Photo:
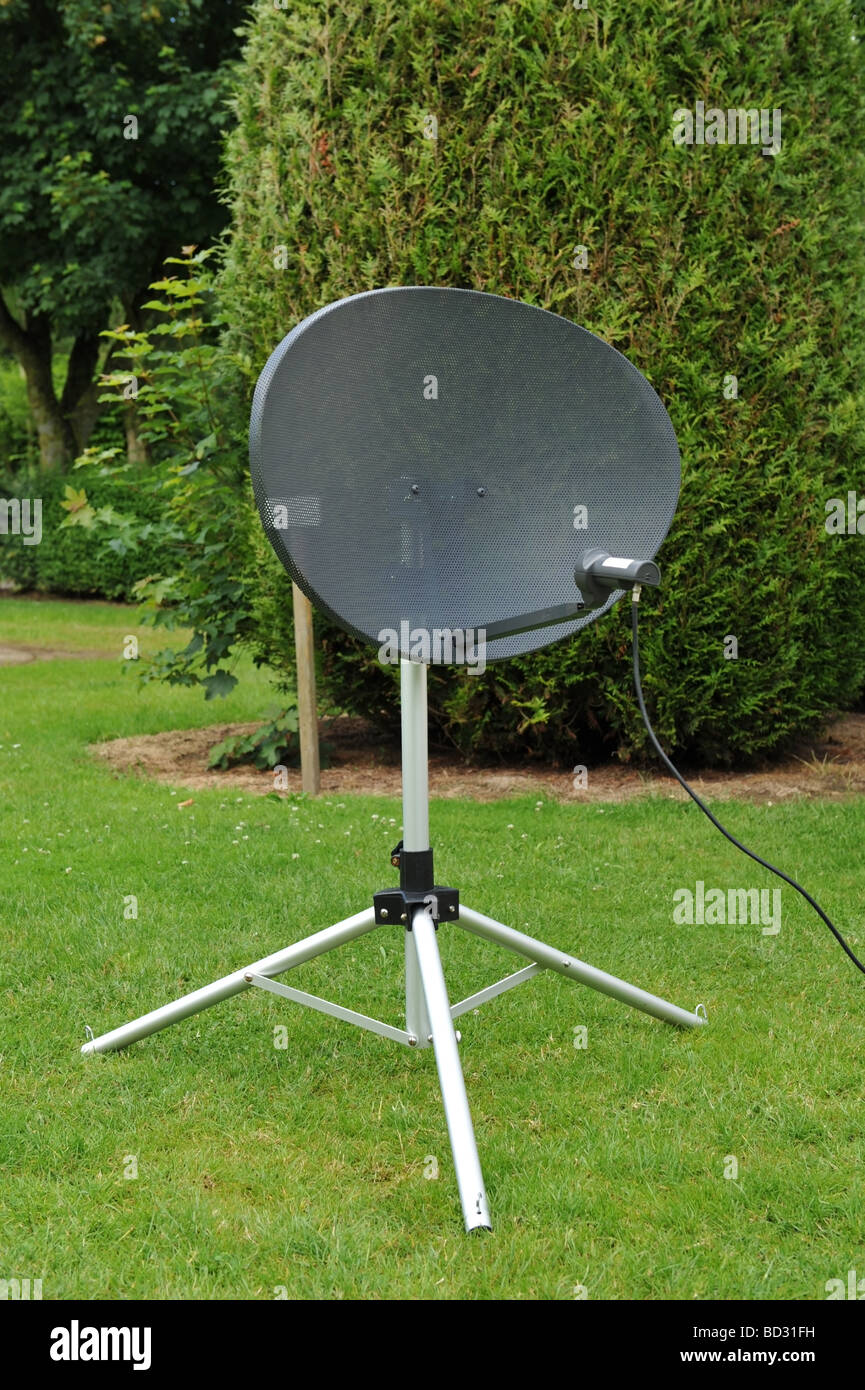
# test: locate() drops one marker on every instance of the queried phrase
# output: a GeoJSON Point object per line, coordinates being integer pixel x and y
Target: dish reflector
{"type": "Point", "coordinates": [436, 460]}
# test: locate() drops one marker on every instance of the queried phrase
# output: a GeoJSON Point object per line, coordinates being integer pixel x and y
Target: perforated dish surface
{"type": "Point", "coordinates": [432, 459]}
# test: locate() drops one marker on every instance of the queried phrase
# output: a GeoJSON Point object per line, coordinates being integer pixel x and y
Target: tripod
{"type": "Point", "coordinates": [419, 906]}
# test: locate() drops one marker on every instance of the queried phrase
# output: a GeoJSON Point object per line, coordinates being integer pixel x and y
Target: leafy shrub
{"type": "Point", "coordinates": [273, 743]}
{"type": "Point", "coordinates": [80, 560]}
{"type": "Point", "coordinates": [192, 417]}
{"type": "Point", "coordinates": [702, 263]}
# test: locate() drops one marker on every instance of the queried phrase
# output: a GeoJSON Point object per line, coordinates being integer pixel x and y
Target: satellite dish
{"type": "Point", "coordinates": [432, 459]}
{"type": "Point", "coordinates": [436, 459]}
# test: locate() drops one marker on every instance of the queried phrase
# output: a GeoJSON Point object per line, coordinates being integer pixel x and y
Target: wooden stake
{"type": "Point", "coordinates": [307, 712]}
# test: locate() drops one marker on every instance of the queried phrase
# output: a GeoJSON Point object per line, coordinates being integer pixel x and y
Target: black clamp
{"type": "Point", "coordinates": [416, 889]}
{"type": "Point", "coordinates": [399, 904]}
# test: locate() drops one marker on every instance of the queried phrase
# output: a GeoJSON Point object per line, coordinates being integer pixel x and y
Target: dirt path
{"type": "Point", "coordinates": [14, 655]}
{"type": "Point", "coordinates": [831, 766]}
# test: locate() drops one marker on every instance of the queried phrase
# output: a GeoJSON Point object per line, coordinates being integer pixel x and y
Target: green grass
{"type": "Point", "coordinates": [303, 1168]}
{"type": "Point", "coordinates": [70, 625]}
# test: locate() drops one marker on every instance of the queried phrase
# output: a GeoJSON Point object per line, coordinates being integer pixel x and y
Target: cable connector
{"type": "Point", "coordinates": [635, 593]}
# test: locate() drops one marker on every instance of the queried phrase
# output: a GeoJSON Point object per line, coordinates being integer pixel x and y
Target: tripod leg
{"type": "Point", "coordinates": [459, 1121]}
{"type": "Point", "coordinates": [416, 1016]}
{"type": "Point", "coordinates": [200, 999]}
{"type": "Point", "coordinates": [573, 969]}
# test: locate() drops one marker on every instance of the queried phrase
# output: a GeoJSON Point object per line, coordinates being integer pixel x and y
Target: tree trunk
{"type": "Point", "coordinates": [84, 415]}
{"type": "Point", "coordinates": [137, 451]}
{"type": "Point", "coordinates": [53, 430]}
{"type": "Point", "coordinates": [79, 403]}
{"type": "Point", "coordinates": [56, 445]}
{"type": "Point", "coordinates": [32, 347]}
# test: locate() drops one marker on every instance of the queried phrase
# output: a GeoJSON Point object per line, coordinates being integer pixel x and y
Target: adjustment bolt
{"type": "Point", "coordinates": [482, 492]}
{"type": "Point", "coordinates": [453, 909]}
{"type": "Point", "coordinates": [415, 489]}
{"type": "Point", "coordinates": [384, 912]}
{"type": "Point", "coordinates": [403, 918]}
{"type": "Point", "coordinates": [412, 1042]}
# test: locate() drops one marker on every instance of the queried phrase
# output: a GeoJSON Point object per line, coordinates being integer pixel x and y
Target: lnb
{"type": "Point", "coordinates": [600, 574]}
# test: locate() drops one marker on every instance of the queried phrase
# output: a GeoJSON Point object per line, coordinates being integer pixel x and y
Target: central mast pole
{"type": "Point", "coordinates": [415, 823]}
{"type": "Point", "coordinates": [415, 764]}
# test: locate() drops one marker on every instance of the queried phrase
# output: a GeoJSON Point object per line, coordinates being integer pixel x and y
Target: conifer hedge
{"type": "Point", "coordinates": [536, 149]}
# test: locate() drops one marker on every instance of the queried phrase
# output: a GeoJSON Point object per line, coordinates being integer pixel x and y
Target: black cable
{"type": "Point", "coordinates": [704, 808]}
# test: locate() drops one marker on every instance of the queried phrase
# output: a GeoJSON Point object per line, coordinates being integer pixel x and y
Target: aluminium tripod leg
{"type": "Point", "coordinates": [467, 1165]}
{"type": "Point", "coordinates": [551, 959]}
{"type": "Point", "coordinates": [416, 1016]}
{"type": "Point", "coordinates": [199, 999]}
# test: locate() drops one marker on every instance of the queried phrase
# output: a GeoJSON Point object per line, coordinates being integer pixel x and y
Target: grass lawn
{"type": "Point", "coordinates": [302, 1168]}
{"type": "Point", "coordinates": [69, 625]}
